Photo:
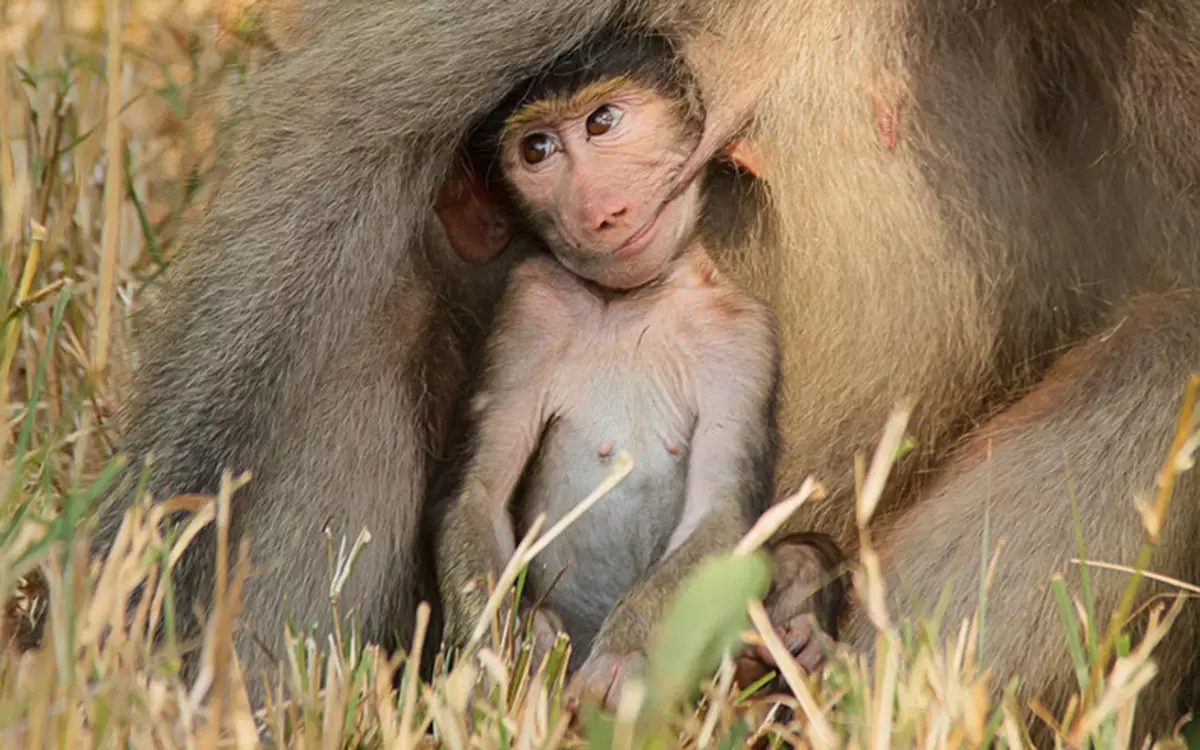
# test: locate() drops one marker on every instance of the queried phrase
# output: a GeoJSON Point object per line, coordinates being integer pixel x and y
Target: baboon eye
{"type": "Point", "coordinates": [603, 119]}
{"type": "Point", "coordinates": [535, 147]}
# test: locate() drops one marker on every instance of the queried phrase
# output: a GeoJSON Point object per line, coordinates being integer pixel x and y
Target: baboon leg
{"type": "Point", "coordinates": [1097, 429]}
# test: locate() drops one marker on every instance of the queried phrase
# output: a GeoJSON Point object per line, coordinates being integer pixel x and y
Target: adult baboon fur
{"type": "Point", "coordinates": [961, 196]}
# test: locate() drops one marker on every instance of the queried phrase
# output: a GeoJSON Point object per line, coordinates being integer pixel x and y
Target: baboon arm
{"type": "Point", "coordinates": [510, 412]}
{"type": "Point", "coordinates": [732, 79]}
{"type": "Point", "coordinates": [504, 447]}
{"type": "Point", "coordinates": [729, 451]}
{"type": "Point", "coordinates": [477, 534]}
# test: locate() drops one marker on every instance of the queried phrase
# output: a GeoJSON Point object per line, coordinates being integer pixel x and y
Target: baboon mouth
{"type": "Point", "coordinates": [638, 240]}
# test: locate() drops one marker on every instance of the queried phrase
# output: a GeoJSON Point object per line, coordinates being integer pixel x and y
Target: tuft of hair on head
{"type": "Point", "coordinates": [612, 60]}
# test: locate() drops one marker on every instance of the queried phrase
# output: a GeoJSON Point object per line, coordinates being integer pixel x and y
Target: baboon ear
{"type": "Point", "coordinates": [474, 216]}
{"type": "Point", "coordinates": [742, 154]}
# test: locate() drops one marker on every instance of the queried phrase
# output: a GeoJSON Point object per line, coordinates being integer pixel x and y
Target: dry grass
{"type": "Point", "coordinates": [85, 235]}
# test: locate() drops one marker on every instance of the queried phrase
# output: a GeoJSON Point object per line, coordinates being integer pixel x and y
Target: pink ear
{"type": "Point", "coordinates": [474, 220]}
{"type": "Point", "coordinates": [741, 154]}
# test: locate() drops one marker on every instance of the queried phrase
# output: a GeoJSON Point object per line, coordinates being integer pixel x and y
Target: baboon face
{"type": "Point", "coordinates": [591, 172]}
{"type": "Point", "coordinates": [602, 155]}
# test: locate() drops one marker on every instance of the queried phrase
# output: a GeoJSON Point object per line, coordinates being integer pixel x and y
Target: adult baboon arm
{"type": "Point", "coordinates": [1097, 429]}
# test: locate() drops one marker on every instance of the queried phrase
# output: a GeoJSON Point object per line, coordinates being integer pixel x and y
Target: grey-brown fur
{"type": "Point", "coordinates": [1045, 170]}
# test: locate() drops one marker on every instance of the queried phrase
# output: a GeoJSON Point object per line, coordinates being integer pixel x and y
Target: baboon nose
{"type": "Point", "coordinates": [604, 216]}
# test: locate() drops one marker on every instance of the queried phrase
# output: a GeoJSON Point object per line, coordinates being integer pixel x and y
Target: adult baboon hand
{"type": "Point", "coordinates": [804, 643]}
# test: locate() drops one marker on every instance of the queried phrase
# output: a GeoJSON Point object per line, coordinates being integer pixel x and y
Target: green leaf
{"type": "Point", "coordinates": [1071, 626]}
{"type": "Point", "coordinates": [702, 623]}
{"type": "Point", "coordinates": [599, 729]}
{"type": "Point", "coordinates": [1191, 734]}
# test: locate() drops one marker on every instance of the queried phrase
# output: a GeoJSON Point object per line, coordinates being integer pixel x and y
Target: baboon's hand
{"type": "Point", "coordinates": [800, 592]}
{"type": "Point", "coordinates": [544, 626]}
{"type": "Point", "coordinates": [462, 614]}
{"type": "Point", "coordinates": [603, 676]}
{"type": "Point", "coordinates": [804, 643]}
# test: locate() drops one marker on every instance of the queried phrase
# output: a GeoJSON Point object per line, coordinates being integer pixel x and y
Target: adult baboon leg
{"type": "Point", "coordinates": [1097, 429]}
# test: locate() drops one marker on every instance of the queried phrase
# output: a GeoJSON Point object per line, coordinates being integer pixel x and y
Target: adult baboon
{"type": "Point", "coordinates": [958, 196]}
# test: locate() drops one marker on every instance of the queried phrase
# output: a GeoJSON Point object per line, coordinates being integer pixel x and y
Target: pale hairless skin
{"type": "Point", "coordinates": [680, 374]}
{"type": "Point", "coordinates": [627, 338]}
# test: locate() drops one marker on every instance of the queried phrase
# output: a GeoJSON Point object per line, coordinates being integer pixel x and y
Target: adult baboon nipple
{"type": "Point", "coordinates": [672, 446]}
{"type": "Point", "coordinates": [606, 448]}
{"type": "Point", "coordinates": [887, 126]}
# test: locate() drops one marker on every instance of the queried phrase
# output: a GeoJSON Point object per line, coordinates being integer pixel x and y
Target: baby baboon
{"type": "Point", "coordinates": [624, 337]}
